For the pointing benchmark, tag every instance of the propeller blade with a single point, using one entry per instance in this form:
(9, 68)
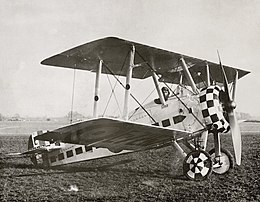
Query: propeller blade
(234, 86)
(230, 105)
(225, 79)
(236, 136)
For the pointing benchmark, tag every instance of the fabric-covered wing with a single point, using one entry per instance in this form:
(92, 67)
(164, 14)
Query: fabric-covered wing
(116, 135)
(115, 54)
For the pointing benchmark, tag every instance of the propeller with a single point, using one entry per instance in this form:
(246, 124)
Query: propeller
(230, 105)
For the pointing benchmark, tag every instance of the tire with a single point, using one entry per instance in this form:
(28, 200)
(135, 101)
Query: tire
(34, 160)
(226, 161)
(45, 161)
(197, 165)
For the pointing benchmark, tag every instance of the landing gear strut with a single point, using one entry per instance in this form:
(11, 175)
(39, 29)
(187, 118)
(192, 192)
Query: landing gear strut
(222, 158)
(197, 164)
(223, 163)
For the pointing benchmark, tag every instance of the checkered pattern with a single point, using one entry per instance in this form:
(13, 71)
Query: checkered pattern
(197, 165)
(212, 110)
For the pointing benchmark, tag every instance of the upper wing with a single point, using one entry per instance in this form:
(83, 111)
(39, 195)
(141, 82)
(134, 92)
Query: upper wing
(116, 135)
(115, 54)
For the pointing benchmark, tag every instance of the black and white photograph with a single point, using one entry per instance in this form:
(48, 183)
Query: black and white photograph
(141, 100)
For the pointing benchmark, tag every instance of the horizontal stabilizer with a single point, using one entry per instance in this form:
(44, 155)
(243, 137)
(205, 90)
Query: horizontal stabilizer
(41, 150)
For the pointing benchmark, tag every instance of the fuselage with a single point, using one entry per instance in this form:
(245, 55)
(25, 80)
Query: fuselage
(182, 112)
(51, 154)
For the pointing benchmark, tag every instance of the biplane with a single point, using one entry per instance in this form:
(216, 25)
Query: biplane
(202, 102)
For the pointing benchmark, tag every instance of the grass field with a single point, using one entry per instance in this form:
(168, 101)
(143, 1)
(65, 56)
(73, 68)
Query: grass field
(154, 175)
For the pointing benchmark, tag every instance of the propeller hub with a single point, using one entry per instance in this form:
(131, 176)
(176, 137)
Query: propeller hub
(232, 105)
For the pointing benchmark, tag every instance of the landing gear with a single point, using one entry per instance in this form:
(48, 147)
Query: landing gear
(223, 163)
(40, 160)
(222, 158)
(197, 165)
(34, 159)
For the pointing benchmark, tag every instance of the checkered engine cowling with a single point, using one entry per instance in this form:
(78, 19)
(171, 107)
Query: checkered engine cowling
(212, 110)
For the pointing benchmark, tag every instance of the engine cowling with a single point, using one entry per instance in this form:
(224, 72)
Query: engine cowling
(212, 110)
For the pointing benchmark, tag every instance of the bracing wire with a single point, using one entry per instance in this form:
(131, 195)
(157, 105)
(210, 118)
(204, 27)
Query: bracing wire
(110, 96)
(113, 89)
(111, 72)
(112, 93)
(72, 97)
(142, 103)
(171, 90)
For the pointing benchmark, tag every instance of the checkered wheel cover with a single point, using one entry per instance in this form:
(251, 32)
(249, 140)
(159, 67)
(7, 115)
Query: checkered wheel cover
(197, 165)
(212, 110)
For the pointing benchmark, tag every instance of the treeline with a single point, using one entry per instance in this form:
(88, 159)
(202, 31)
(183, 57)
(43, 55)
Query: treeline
(243, 116)
(16, 117)
(76, 116)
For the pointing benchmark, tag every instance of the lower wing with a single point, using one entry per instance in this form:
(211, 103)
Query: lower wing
(116, 135)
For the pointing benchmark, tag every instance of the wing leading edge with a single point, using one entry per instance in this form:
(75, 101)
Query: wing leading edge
(116, 135)
(115, 54)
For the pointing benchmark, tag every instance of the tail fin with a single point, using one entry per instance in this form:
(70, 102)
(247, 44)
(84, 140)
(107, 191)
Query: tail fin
(32, 143)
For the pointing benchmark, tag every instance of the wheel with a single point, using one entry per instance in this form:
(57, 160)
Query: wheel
(197, 165)
(224, 163)
(34, 159)
(45, 161)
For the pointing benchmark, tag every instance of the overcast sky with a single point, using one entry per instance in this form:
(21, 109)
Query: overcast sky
(34, 30)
